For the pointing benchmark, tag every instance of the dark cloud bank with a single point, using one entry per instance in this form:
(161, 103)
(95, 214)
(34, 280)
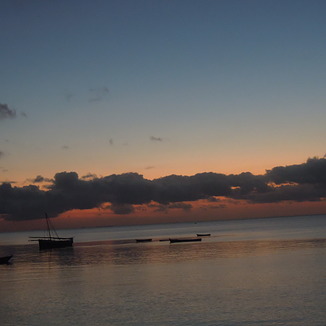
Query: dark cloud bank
(303, 182)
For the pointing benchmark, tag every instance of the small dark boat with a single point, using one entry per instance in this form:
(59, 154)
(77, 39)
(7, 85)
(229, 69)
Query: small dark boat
(143, 240)
(5, 260)
(52, 241)
(203, 234)
(175, 240)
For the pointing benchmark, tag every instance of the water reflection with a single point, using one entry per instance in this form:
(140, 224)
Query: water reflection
(209, 283)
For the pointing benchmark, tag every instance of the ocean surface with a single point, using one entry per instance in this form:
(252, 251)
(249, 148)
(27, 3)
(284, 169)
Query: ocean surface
(248, 272)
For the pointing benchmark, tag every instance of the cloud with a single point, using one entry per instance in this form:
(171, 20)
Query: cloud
(122, 209)
(40, 179)
(6, 112)
(1, 154)
(153, 138)
(213, 199)
(98, 94)
(68, 95)
(166, 207)
(89, 176)
(303, 182)
(21, 203)
(312, 172)
(298, 193)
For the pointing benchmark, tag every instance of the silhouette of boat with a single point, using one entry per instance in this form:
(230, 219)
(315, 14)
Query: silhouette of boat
(52, 240)
(143, 240)
(175, 240)
(203, 234)
(5, 260)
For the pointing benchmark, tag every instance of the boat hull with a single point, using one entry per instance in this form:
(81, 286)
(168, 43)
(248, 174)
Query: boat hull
(185, 240)
(143, 240)
(5, 260)
(55, 243)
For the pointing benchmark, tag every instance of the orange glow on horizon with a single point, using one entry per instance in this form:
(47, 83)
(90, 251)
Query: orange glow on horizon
(201, 210)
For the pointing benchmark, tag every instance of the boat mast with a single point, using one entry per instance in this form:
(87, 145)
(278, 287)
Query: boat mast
(48, 225)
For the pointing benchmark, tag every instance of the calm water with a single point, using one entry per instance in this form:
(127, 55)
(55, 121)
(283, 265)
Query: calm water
(252, 272)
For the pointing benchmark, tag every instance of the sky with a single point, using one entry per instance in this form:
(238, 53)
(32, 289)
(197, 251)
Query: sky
(152, 111)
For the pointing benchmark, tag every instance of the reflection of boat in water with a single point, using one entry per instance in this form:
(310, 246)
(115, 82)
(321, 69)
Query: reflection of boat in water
(143, 240)
(175, 240)
(52, 240)
(203, 234)
(5, 260)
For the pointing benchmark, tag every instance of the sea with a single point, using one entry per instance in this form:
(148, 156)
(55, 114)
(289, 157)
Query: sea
(269, 271)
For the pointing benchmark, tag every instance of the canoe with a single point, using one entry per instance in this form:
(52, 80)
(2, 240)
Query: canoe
(143, 240)
(175, 240)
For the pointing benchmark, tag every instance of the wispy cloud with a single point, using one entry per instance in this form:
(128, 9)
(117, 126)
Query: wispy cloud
(40, 179)
(98, 94)
(68, 95)
(89, 176)
(6, 112)
(156, 139)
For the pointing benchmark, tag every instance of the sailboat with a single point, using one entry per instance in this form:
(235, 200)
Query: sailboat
(52, 240)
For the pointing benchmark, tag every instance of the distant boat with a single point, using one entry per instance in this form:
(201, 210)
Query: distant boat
(5, 260)
(52, 240)
(143, 240)
(175, 240)
(203, 234)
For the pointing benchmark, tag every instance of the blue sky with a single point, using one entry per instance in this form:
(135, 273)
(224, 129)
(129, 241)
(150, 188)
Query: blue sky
(160, 87)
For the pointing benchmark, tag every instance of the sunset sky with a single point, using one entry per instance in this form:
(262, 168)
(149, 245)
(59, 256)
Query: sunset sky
(125, 112)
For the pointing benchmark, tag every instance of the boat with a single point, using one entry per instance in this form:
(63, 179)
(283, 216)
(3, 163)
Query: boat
(203, 234)
(175, 240)
(52, 240)
(143, 240)
(5, 260)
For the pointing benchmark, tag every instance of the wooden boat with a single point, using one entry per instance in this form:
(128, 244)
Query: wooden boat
(175, 240)
(203, 234)
(143, 240)
(5, 260)
(52, 240)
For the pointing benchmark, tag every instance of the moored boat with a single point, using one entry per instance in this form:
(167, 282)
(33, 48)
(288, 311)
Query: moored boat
(143, 240)
(175, 240)
(5, 260)
(55, 242)
(52, 240)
